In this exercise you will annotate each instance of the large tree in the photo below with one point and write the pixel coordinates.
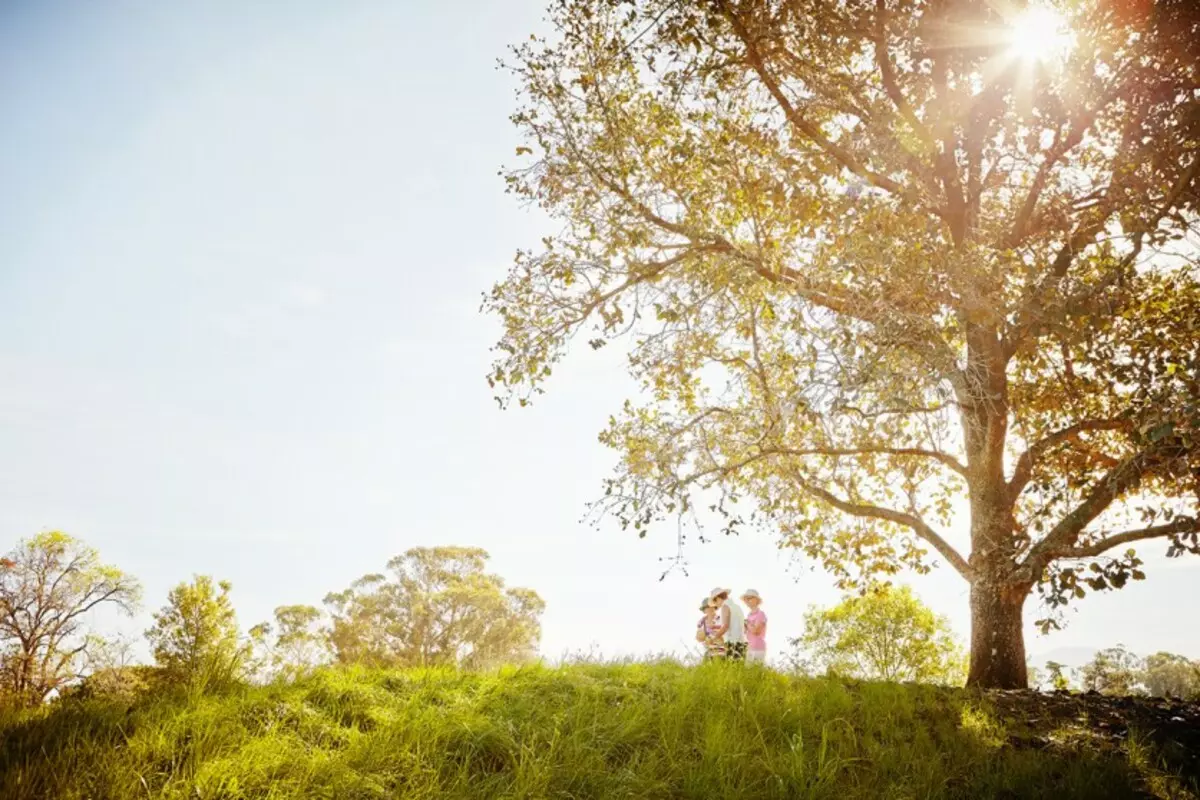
(439, 605)
(50, 585)
(872, 256)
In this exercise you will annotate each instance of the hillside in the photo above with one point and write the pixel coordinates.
(632, 731)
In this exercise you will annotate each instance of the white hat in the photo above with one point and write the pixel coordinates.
(718, 591)
(751, 593)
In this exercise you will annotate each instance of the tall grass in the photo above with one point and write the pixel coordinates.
(656, 730)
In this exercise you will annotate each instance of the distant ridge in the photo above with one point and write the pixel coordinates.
(1069, 656)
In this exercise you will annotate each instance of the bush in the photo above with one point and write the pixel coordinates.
(118, 683)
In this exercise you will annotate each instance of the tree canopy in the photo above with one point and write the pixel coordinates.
(296, 643)
(437, 606)
(874, 261)
(1171, 675)
(1117, 671)
(195, 636)
(49, 585)
(885, 634)
(1113, 670)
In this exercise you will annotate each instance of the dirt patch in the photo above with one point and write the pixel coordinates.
(1171, 728)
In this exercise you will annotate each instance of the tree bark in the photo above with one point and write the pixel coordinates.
(997, 636)
(997, 601)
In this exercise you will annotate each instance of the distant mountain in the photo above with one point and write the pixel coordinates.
(1070, 656)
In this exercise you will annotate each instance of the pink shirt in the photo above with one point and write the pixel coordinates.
(755, 641)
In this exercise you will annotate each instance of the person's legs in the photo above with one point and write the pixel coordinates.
(735, 651)
(756, 656)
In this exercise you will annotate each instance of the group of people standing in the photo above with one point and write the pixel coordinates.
(727, 632)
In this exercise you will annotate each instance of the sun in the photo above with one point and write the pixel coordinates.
(1039, 33)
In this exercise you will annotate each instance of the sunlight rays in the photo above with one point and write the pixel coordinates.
(1039, 34)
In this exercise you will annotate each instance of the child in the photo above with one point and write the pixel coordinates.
(756, 628)
(707, 631)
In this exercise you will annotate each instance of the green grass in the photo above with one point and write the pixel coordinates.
(624, 731)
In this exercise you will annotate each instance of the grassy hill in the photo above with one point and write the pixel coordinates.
(629, 731)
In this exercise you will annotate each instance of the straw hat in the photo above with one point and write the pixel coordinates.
(718, 591)
(751, 593)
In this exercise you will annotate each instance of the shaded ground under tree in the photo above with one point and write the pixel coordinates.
(1048, 721)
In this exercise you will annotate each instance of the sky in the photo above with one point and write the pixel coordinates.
(242, 248)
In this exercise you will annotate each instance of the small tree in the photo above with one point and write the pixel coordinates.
(195, 635)
(1171, 675)
(296, 643)
(438, 606)
(886, 634)
(1058, 678)
(49, 585)
(1113, 670)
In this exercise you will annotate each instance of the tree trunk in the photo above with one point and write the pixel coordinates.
(997, 636)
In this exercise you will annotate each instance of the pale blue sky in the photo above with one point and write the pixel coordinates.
(241, 253)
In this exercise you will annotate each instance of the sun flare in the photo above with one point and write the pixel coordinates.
(1039, 33)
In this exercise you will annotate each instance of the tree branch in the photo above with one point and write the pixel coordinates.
(805, 128)
(1062, 537)
(1028, 322)
(888, 75)
(1060, 147)
(912, 521)
(1181, 525)
(944, 458)
(1024, 467)
(918, 525)
(830, 297)
(713, 242)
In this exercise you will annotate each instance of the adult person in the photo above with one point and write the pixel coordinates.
(733, 624)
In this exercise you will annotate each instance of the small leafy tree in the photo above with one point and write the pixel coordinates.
(1058, 677)
(195, 636)
(49, 585)
(1171, 675)
(296, 643)
(1113, 670)
(885, 634)
(438, 605)
(873, 262)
